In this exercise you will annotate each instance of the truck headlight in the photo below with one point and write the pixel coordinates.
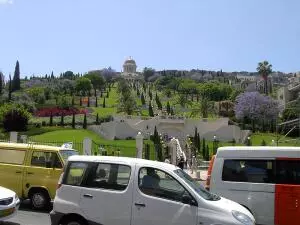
(243, 218)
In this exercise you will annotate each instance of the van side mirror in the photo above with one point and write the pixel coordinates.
(187, 199)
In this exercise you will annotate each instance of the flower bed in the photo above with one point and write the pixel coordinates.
(56, 111)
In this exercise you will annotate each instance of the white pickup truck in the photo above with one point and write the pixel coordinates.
(96, 190)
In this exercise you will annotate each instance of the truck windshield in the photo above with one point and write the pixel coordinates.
(196, 186)
(66, 153)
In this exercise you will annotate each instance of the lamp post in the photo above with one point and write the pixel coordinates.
(248, 141)
(215, 144)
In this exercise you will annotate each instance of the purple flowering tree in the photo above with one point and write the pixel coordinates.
(256, 108)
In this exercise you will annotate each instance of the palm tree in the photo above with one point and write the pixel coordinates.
(264, 69)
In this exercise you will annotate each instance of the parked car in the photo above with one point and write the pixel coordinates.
(264, 179)
(32, 171)
(130, 191)
(9, 204)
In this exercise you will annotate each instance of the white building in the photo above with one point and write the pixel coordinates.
(129, 70)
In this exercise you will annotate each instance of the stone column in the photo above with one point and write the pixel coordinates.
(139, 145)
(173, 151)
(13, 137)
(87, 146)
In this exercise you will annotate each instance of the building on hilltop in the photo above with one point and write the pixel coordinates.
(290, 93)
(129, 70)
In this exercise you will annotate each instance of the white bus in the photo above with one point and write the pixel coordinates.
(266, 180)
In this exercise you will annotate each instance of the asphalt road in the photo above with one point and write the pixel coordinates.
(27, 216)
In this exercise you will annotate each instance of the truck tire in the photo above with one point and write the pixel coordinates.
(40, 199)
(74, 221)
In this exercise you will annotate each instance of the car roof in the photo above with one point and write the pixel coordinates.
(123, 160)
(258, 152)
(24, 146)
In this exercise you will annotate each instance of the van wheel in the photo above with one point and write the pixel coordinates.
(74, 221)
(40, 199)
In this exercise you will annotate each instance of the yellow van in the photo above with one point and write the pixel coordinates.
(32, 171)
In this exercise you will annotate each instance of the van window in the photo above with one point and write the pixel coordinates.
(45, 159)
(254, 171)
(157, 183)
(76, 173)
(108, 176)
(288, 171)
(10, 156)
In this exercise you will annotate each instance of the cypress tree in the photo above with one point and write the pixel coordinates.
(107, 95)
(143, 99)
(151, 114)
(62, 119)
(168, 108)
(103, 105)
(172, 112)
(73, 121)
(97, 119)
(51, 120)
(1, 83)
(150, 94)
(84, 122)
(88, 103)
(199, 142)
(73, 101)
(203, 148)
(80, 101)
(16, 85)
(96, 104)
(207, 154)
(9, 88)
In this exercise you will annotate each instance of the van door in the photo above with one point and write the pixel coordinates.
(12, 169)
(250, 182)
(44, 171)
(287, 192)
(158, 200)
(106, 194)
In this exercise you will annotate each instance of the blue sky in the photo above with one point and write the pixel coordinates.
(81, 35)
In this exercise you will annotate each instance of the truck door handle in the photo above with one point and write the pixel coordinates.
(88, 196)
(18, 171)
(29, 173)
(140, 204)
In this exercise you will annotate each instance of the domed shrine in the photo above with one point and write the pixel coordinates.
(129, 70)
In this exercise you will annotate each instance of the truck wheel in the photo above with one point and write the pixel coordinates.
(74, 221)
(40, 199)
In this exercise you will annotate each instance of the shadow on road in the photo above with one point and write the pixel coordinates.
(26, 206)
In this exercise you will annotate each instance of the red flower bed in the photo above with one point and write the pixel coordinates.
(56, 111)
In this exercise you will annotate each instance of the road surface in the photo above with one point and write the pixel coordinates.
(27, 216)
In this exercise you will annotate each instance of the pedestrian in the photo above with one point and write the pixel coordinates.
(181, 162)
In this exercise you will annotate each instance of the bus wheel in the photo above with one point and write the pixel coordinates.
(40, 199)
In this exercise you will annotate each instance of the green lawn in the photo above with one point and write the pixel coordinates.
(257, 138)
(126, 147)
(104, 111)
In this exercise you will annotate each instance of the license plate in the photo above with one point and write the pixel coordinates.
(6, 212)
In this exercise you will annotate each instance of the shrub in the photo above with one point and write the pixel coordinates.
(56, 111)
(14, 117)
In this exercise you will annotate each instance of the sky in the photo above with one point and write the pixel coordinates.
(83, 35)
